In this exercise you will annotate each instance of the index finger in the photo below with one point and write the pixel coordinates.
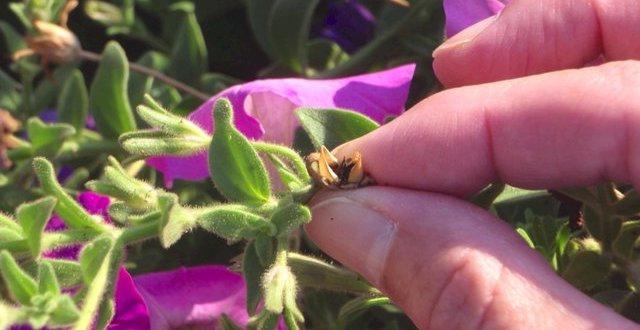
(536, 36)
(561, 129)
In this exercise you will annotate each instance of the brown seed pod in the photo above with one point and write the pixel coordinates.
(331, 173)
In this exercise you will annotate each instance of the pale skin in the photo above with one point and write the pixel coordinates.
(520, 112)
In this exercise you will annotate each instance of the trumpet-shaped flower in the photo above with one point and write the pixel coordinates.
(264, 109)
(464, 13)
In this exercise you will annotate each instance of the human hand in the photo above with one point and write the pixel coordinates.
(445, 262)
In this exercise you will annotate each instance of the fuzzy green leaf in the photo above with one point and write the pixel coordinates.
(289, 24)
(47, 281)
(108, 98)
(235, 167)
(233, 223)
(32, 217)
(73, 103)
(252, 270)
(93, 256)
(175, 220)
(333, 127)
(290, 217)
(21, 286)
(189, 53)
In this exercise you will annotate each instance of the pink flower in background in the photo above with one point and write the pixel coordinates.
(264, 109)
(461, 14)
(193, 298)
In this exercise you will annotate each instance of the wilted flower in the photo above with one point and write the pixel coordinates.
(8, 126)
(53, 42)
(264, 109)
(464, 13)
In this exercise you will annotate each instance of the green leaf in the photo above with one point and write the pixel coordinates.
(624, 244)
(12, 39)
(175, 220)
(333, 127)
(265, 248)
(47, 139)
(157, 117)
(68, 273)
(93, 255)
(235, 167)
(95, 260)
(258, 13)
(32, 217)
(233, 223)
(602, 225)
(252, 270)
(73, 103)
(160, 143)
(290, 217)
(586, 269)
(47, 281)
(289, 25)
(9, 235)
(108, 98)
(48, 90)
(226, 323)
(65, 314)
(358, 305)
(9, 97)
(139, 83)
(21, 286)
(8, 223)
(189, 53)
(106, 314)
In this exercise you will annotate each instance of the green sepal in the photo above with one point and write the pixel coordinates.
(235, 167)
(46, 139)
(19, 284)
(226, 323)
(333, 127)
(156, 143)
(93, 255)
(33, 217)
(252, 270)
(156, 116)
(65, 314)
(175, 220)
(234, 223)
(586, 269)
(624, 244)
(290, 217)
(47, 281)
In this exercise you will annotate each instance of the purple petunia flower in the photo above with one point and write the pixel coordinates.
(461, 14)
(264, 109)
(349, 24)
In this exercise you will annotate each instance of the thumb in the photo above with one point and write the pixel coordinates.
(447, 263)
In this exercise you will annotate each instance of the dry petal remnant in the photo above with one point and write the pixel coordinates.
(332, 173)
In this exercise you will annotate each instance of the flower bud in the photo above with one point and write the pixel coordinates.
(55, 43)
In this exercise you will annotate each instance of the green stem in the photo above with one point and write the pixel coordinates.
(139, 233)
(282, 151)
(312, 272)
(70, 150)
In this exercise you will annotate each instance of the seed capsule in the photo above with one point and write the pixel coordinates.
(331, 173)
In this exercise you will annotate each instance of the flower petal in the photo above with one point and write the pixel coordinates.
(263, 109)
(193, 297)
(461, 14)
(131, 310)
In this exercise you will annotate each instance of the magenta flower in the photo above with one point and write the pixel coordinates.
(264, 109)
(461, 14)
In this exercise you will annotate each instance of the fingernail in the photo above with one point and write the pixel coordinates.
(465, 36)
(353, 233)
